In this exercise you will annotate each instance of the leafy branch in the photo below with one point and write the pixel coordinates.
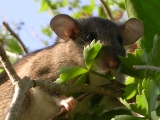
(24, 84)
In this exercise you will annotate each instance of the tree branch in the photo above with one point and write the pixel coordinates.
(8, 66)
(13, 55)
(107, 10)
(147, 67)
(78, 88)
(23, 47)
(21, 86)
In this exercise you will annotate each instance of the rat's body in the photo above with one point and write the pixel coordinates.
(40, 104)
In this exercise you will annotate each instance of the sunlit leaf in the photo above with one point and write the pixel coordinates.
(68, 73)
(130, 91)
(90, 52)
(44, 6)
(141, 105)
(82, 80)
(154, 115)
(151, 92)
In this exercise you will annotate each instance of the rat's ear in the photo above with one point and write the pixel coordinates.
(131, 31)
(64, 26)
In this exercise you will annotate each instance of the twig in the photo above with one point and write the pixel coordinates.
(13, 55)
(107, 10)
(23, 47)
(78, 88)
(147, 67)
(8, 66)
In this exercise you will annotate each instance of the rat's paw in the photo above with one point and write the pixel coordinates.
(69, 103)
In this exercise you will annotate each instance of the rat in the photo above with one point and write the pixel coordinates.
(74, 34)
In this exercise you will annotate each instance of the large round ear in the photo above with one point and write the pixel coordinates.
(131, 31)
(64, 26)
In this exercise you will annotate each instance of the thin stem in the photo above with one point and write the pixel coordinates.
(8, 66)
(147, 67)
(107, 10)
(23, 47)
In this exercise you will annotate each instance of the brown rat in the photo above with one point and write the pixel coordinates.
(42, 104)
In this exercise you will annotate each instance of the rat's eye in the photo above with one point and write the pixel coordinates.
(120, 39)
(91, 36)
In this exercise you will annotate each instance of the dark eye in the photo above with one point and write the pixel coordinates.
(120, 39)
(91, 36)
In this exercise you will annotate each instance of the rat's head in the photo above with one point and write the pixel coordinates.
(112, 36)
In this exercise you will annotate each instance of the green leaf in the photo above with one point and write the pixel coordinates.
(146, 99)
(158, 78)
(151, 92)
(147, 12)
(47, 31)
(130, 91)
(156, 51)
(158, 110)
(13, 46)
(112, 113)
(68, 73)
(138, 58)
(44, 6)
(87, 8)
(82, 80)
(141, 105)
(154, 115)
(120, 3)
(92, 4)
(123, 101)
(131, 87)
(126, 117)
(90, 52)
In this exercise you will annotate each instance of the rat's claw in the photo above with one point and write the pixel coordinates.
(69, 103)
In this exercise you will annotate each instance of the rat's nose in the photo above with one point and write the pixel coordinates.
(113, 63)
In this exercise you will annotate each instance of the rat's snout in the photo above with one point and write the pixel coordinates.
(112, 63)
